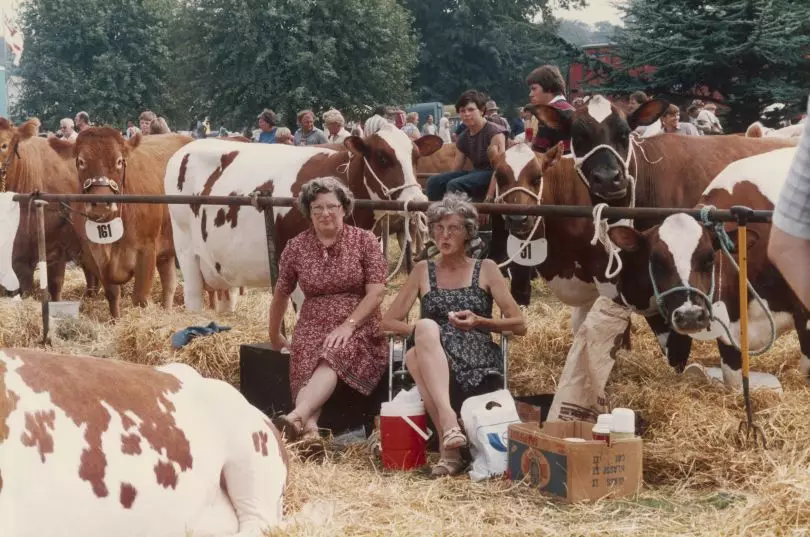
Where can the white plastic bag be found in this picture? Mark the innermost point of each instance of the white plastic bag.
(486, 421)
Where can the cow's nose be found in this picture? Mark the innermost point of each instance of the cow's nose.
(607, 176)
(690, 318)
(517, 219)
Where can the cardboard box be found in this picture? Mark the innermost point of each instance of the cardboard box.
(574, 470)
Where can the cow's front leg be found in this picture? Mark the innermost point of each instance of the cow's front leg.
(731, 365)
(168, 281)
(144, 276)
(56, 279)
(112, 292)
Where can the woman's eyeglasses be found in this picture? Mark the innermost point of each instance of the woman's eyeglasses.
(320, 209)
(439, 229)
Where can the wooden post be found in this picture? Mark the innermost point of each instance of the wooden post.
(43, 270)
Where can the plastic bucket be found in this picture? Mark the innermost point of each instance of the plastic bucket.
(64, 309)
(403, 435)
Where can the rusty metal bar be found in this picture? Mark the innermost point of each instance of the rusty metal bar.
(43, 271)
(567, 211)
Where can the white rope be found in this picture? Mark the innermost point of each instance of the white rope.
(528, 239)
(600, 234)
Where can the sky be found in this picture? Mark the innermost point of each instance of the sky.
(597, 10)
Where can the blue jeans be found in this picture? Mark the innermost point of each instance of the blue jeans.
(473, 183)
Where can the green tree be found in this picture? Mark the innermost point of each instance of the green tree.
(108, 57)
(484, 44)
(753, 52)
(294, 54)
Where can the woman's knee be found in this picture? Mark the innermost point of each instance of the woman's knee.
(426, 331)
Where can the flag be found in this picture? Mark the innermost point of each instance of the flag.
(13, 37)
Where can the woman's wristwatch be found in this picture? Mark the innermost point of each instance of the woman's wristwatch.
(351, 322)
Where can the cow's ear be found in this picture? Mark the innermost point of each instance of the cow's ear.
(551, 157)
(648, 113)
(428, 144)
(356, 145)
(29, 129)
(627, 238)
(551, 117)
(133, 142)
(63, 148)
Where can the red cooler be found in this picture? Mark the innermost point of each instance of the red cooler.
(403, 435)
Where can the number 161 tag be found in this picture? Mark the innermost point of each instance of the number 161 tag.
(532, 255)
(104, 232)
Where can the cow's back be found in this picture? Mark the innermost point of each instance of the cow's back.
(97, 447)
(439, 162)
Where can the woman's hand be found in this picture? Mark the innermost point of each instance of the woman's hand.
(339, 336)
(463, 320)
(278, 342)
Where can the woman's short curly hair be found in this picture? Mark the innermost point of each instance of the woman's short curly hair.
(454, 203)
(324, 185)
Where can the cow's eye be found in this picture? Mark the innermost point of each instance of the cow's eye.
(4, 147)
(707, 262)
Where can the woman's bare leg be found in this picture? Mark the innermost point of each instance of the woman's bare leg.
(434, 371)
(315, 394)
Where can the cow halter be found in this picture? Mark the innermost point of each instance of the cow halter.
(4, 169)
(538, 198)
(579, 162)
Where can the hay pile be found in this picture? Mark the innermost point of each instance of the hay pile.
(698, 478)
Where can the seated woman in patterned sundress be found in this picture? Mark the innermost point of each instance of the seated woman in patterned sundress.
(341, 271)
(452, 340)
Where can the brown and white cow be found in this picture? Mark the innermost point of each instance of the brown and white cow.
(226, 247)
(126, 241)
(758, 130)
(697, 288)
(97, 447)
(669, 170)
(28, 165)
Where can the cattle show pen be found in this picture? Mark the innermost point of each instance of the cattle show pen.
(265, 202)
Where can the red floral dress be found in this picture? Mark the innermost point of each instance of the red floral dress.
(333, 280)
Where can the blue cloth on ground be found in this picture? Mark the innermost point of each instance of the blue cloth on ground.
(182, 338)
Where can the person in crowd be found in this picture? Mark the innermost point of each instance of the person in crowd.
(492, 115)
(789, 245)
(429, 127)
(411, 127)
(452, 342)
(670, 122)
(159, 126)
(337, 338)
(637, 98)
(66, 129)
(82, 121)
(284, 136)
(473, 143)
(334, 123)
(132, 130)
(444, 128)
(267, 125)
(693, 111)
(357, 129)
(146, 118)
(547, 86)
(308, 133)
(707, 121)
(518, 125)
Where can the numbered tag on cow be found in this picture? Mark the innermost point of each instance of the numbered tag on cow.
(104, 232)
(534, 253)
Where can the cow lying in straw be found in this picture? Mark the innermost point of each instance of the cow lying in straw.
(696, 286)
(97, 448)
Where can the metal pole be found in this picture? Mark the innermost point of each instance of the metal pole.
(386, 230)
(43, 270)
(272, 242)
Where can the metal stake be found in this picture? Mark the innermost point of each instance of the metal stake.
(43, 271)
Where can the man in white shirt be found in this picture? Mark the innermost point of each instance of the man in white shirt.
(66, 128)
(334, 123)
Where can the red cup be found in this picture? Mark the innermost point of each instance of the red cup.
(529, 135)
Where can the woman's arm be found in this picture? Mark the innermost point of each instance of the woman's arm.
(512, 320)
(278, 305)
(393, 318)
(458, 162)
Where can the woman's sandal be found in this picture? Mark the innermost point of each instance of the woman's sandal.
(290, 426)
(453, 438)
(447, 467)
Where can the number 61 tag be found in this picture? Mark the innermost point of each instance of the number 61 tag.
(532, 255)
(104, 232)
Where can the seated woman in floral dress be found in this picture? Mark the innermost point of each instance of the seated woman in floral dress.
(341, 271)
(452, 339)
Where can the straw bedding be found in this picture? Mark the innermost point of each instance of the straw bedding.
(699, 479)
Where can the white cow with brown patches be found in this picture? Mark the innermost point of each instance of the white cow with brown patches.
(697, 287)
(226, 247)
(96, 448)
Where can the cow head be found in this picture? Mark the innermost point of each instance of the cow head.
(10, 139)
(388, 163)
(677, 261)
(600, 143)
(518, 174)
(101, 161)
